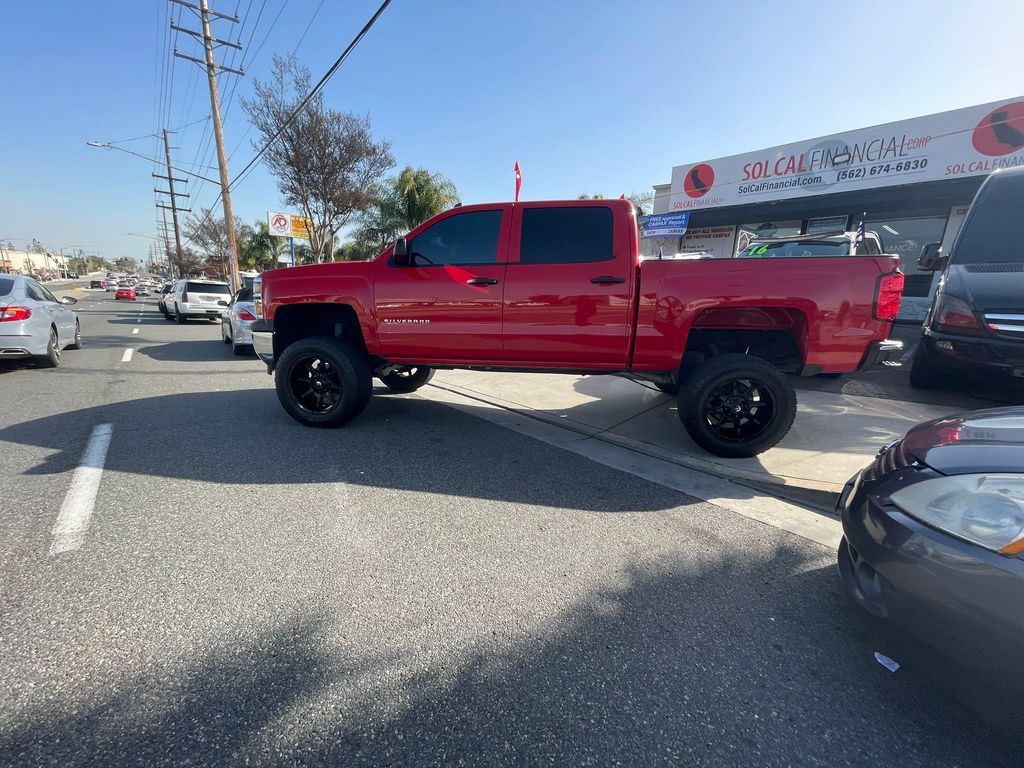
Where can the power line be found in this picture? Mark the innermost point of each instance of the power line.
(316, 89)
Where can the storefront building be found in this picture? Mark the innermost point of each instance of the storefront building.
(911, 181)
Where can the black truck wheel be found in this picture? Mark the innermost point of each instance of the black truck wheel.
(323, 381)
(923, 374)
(407, 379)
(737, 405)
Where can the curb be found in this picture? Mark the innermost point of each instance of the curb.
(821, 497)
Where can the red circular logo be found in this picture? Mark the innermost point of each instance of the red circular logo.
(699, 180)
(1001, 131)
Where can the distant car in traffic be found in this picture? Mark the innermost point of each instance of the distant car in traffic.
(142, 289)
(125, 293)
(95, 283)
(197, 298)
(236, 324)
(933, 536)
(110, 285)
(164, 290)
(34, 323)
(975, 326)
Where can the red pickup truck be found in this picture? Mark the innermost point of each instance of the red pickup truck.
(560, 287)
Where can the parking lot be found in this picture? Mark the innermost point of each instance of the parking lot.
(424, 586)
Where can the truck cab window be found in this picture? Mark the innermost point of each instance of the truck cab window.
(464, 238)
(566, 235)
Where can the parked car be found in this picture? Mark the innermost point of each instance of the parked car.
(197, 298)
(164, 290)
(236, 323)
(95, 283)
(559, 286)
(933, 536)
(35, 323)
(125, 293)
(809, 246)
(975, 326)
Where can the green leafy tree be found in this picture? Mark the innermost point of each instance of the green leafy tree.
(259, 250)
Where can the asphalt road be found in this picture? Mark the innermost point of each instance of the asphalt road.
(420, 588)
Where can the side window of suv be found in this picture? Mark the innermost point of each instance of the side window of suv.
(464, 238)
(571, 235)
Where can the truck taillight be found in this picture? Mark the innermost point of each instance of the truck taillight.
(257, 296)
(15, 313)
(888, 296)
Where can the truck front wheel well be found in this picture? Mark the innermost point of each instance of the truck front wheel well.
(300, 321)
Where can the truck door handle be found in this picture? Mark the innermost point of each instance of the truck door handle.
(481, 281)
(607, 280)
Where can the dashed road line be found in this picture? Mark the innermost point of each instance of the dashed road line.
(127, 357)
(135, 330)
(76, 511)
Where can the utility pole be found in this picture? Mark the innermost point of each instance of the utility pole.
(218, 127)
(174, 198)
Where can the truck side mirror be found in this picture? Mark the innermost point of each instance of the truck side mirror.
(932, 258)
(401, 252)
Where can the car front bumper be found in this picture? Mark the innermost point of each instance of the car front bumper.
(960, 598)
(980, 358)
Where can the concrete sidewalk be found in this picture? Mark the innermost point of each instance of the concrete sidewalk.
(833, 436)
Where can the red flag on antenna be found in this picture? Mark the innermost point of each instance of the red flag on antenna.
(622, 196)
(519, 180)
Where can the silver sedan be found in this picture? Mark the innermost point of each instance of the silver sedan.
(236, 322)
(35, 323)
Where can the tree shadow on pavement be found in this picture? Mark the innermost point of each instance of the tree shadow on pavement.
(740, 662)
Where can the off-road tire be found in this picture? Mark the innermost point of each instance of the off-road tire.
(769, 395)
(345, 362)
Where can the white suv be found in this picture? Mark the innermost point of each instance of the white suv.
(197, 298)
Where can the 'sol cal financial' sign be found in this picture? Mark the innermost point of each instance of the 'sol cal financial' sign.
(964, 142)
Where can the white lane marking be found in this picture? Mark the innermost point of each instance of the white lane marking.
(135, 330)
(128, 355)
(73, 520)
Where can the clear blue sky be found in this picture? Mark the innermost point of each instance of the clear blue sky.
(588, 96)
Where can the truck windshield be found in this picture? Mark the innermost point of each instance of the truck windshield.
(992, 235)
(790, 249)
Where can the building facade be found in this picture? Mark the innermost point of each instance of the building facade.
(911, 181)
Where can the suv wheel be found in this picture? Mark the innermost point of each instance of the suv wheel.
(323, 381)
(407, 379)
(179, 317)
(924, 375)
(737, 405)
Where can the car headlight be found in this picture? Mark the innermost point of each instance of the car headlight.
(984, 509)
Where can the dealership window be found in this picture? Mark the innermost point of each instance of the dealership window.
(747, 233)
(906, 238)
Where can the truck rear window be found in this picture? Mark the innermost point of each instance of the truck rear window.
(797, 249)
(566, 235)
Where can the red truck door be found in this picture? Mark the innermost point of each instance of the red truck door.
(569, 286)
(447, 304)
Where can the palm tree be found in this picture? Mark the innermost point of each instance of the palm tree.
(419, 194)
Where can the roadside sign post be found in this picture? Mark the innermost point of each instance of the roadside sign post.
(289, 225)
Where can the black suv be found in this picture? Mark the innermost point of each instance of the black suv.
(975, 326)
